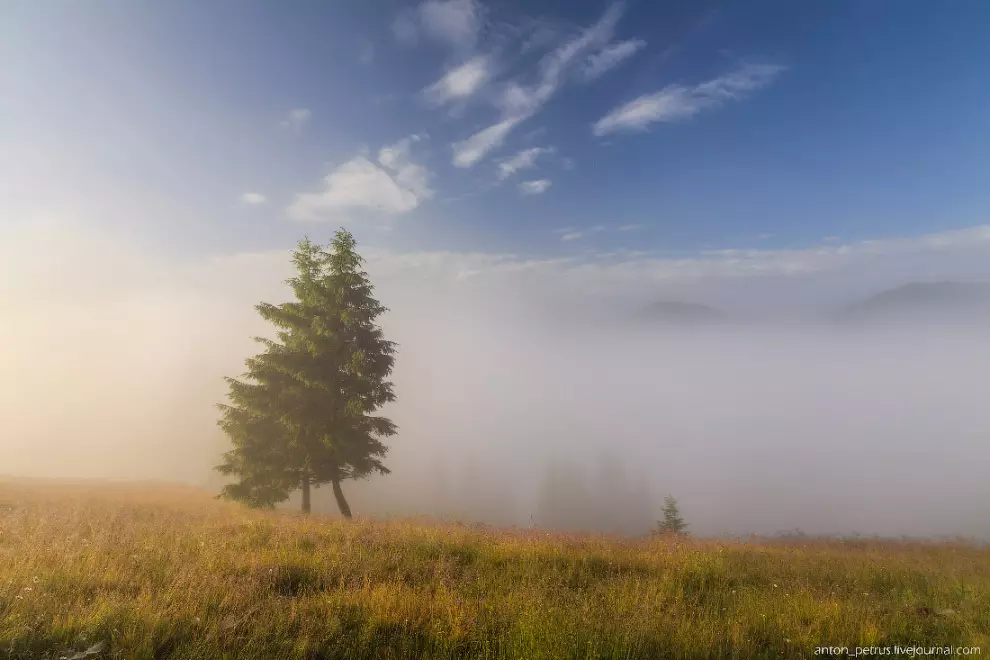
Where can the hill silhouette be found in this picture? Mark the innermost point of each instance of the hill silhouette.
(929, 301)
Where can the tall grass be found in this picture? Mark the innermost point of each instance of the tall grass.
(153, 571)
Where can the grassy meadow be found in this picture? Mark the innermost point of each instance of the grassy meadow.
(159, 571)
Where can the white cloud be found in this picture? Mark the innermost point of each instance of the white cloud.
(408, 174)
(537, 187)
(959, 254)
(253, 198)
(632, 272)
(555, 64)
(514, 99)
(672, 103)
(470, 151)
(357, 184)
(633, 227)
(398, 154)
(393, 186)
(610, 57)
(676, 102)
(519, 102)
(571, 234)
(460, 82)
(453, 21)
(525, 159)
(617, 271)
(296, 119)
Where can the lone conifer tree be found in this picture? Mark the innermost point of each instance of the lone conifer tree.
(303, 413)
(672, 521)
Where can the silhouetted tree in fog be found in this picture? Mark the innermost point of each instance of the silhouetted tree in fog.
(302, 416)
(672, 521)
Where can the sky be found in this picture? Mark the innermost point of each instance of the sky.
(158, 161)
(566, 130)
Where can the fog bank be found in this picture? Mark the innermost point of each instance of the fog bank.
(512, 410)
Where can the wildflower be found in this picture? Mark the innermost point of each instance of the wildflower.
(35, 579)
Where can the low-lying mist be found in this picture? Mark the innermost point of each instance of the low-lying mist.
(511, 411)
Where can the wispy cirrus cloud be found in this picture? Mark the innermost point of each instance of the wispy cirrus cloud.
(677, 102)
(523, 160)
(572, 234)
(470, 151)
(460, 82)
(453, 22)
(296, 119)
(519, 102)
(597, 64)
(253, 198)
(537, 187)
(393, 185)
(624, 271)
(934, 255)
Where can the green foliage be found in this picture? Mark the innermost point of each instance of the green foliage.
(672, 521)
(302, 415)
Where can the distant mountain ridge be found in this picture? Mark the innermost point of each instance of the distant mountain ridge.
(679, 313)
(933, 301)
(936, 299)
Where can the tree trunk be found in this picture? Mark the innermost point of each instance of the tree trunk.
(345, 510)
(305, 493)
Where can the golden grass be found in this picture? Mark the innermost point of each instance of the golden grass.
(155, 571)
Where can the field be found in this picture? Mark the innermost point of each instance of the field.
(158, 571)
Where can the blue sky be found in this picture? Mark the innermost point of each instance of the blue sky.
(673, 129)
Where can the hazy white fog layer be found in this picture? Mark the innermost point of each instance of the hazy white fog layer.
(512, 410)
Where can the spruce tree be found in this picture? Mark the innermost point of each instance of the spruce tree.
(303, 414)
(672, 521)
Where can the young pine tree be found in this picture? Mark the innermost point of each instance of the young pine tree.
(302, 415)
(672, 521)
